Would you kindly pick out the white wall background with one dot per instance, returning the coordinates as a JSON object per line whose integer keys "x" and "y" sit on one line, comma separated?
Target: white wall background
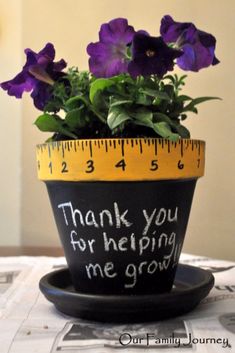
{"x": 71, "y": 25}
{"x": 10, "y": 124}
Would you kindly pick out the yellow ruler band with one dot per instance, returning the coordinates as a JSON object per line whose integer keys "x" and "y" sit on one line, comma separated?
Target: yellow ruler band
{"x": 120, "y": 159}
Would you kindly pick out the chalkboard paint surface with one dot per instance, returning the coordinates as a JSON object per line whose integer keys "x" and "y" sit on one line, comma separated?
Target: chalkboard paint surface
{"x": 191, "y": 285}
{"x": 122, "y": 237}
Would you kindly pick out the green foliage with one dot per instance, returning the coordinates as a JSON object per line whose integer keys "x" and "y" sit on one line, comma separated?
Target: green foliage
{"x": 53, "y": 123}
{"x": 118, "y": 107}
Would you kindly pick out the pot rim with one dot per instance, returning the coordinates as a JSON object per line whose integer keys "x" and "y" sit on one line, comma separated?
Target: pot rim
{"x": 121, "y": 159}
{"x": 119, "y": 138}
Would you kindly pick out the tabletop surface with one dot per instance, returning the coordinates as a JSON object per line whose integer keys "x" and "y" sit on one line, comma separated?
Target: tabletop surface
{"x": 30, "y": 251}
{"x": 29, "y": 323}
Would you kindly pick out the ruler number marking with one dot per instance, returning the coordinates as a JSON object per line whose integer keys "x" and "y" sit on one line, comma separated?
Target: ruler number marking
{"x": 50, "y": 167}
{"x": 180, "y": 165}
{"x": 154, "y": 165}
{"x": 121, "y": 164}
{"x": 90, "y": 166}
{"x": 64, "y": 168}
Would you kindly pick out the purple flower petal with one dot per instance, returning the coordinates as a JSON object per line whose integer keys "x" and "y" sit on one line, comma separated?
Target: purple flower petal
{"x": 20, "y": 83}
{"x": 198, "y": 47}
{"x": 108, "y": 57}
{"x": 151, "y": 56}
{"x": 38, "y": 67}
{"x": 41, "y": 95}
{"x": 59, "y": 65}
{"x": 48, "y": 51}
{"x": 105, "y": 63}
{"x": 171, "y": 30}
{"x": 116, "y": 31}
{"x": 194, "y": 58}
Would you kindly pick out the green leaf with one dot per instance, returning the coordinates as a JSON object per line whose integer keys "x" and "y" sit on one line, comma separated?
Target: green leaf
{"x": 180, "y": 80}
{"x": 169, "y": 77}
{"x": 170, "y": 91}
{"x": 161, "y": 117}
{"x": 203, "y": 99}
{"x": 99, "y": 84}
{"x": 191, "y": 105}
{"x": 76, "y": 118}
{"x": 100, "y": 102}
{"x": 53, "y": 106}
{"x": 183, "y": 98}
{"x": 116, "y": 116}
{"x": 145, "y": 122}
{"x": 143, "y": 117}
{"x": 182, "y": 131}
{"x": 143, "y": 114}
{"x": 76, "y": 102}
{"x": 142, "y": 99}
{"x": 52, "y": 123}
{"x": 154, "y": 93}
{"x": 120, "y": 102}
{"x": 164, "y": 130}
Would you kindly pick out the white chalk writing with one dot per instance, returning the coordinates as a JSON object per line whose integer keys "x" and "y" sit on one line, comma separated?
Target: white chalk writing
{"x": 153, "y": 239}
{"x": 163, "y": 215}
{"x": 89, "y": 218}
{"x": 94, "y": 270}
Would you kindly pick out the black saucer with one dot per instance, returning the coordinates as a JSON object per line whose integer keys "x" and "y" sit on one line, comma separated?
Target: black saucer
{"x": 191, "y": 285}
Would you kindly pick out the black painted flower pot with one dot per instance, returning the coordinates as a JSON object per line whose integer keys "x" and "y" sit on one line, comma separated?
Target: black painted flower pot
{"x": 121, "y": 217}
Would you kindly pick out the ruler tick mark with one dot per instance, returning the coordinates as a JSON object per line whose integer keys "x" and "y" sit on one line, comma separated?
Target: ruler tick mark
{"x": 168, "y": 146}
{"x": 141, "y": 147}
{"x": 181, "y": 148}
{"x": 122, "y": 148}
{"x": 106, "y": 146}
{"x": 155, "y": 147}
{"x": 90, "y": 148}
{"x": 49, "y": 151}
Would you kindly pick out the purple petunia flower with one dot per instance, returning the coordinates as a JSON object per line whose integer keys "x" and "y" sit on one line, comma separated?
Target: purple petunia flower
{"x": 151, "y": 56}
{"x": 198, "y": 47}
{"x": 108, "y": 57}
{"x": 37, "y": 75}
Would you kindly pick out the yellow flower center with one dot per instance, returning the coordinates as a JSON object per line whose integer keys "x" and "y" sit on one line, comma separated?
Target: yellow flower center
{"x": 150, "y": 53}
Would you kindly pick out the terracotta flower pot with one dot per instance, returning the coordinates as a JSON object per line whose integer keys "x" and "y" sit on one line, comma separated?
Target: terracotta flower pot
{"x": 121, "y": 209}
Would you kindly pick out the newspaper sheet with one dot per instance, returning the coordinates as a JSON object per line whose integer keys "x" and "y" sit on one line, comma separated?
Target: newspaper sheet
{"x": 31, "y": 324}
